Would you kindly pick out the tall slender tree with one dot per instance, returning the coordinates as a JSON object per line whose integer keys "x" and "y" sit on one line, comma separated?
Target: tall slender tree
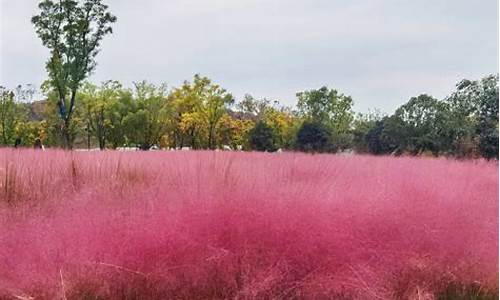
{"x": 73, "y": 31}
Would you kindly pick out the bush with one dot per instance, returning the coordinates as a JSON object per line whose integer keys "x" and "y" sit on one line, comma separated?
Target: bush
{"x": 314, "y": 137}
{"x": 377, "y": 142}
{"x": 263, "y": 138}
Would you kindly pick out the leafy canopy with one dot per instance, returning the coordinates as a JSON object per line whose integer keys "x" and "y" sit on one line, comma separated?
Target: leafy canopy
{"x": 73, "y": 31}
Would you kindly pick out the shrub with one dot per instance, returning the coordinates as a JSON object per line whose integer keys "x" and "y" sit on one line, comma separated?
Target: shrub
{"x": 263, "y": 138}
{"x": 313, "y": 137}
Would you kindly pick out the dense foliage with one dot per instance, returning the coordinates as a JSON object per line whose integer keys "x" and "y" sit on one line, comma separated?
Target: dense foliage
{"x": 262, "y": 137}
{"x": 313, "y": 136}
{"x": 72, "y": 31}
{"x": 202, "y": 115}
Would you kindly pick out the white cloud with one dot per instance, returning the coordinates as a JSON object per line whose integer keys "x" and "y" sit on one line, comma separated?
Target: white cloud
{"x": 381, "y": 52}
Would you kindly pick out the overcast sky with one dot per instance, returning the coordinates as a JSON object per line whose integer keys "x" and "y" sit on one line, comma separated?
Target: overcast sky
{"x": 379, "y": 52}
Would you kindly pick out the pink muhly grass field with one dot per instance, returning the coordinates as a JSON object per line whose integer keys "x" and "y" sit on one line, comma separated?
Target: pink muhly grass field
{"x": 226, "y": 225}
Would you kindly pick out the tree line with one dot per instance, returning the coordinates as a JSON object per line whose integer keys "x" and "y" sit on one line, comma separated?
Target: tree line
{"x": 201, "y": 114}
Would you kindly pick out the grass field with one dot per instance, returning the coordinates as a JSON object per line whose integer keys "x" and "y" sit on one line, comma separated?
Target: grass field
{"x": 227, "y": 225}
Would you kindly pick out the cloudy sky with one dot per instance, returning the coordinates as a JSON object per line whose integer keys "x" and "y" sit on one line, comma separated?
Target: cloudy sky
{"x": 379, "y": 52}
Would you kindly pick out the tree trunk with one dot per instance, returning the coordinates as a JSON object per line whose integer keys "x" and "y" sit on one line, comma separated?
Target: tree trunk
{"x": 193, "y": 139}
{"x": 210, "y": 138}
{"x": 102, "y": 143}
{"x": 68, "y": 141}
{"x": 88, "y": 136}
{"x": 181, "y": 142}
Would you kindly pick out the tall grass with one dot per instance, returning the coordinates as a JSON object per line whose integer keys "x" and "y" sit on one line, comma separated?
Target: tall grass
{"x": 208, "y": 225}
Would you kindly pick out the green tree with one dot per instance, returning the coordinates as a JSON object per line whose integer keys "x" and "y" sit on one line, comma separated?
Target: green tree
{"x": 362, "y": 125}
{"x": 186, "y": 103}
{"x": 215, "y": 102}
{"x": 424, "y": 121}
{"x": 262, "y": 137}
{"x": 330, "y": 108}
{"x": 314, "y": 137}
{"x": 472, "y": 108}
{"x": 199, "y": 107}
{"x": 146, "y": 123}
{"x": 117, "y": 112}
{"x": 487, "y": 127}
{"x": 12, "y": 114}
{"x": 377, "y": 142}
{"x": 284, "y": 123}
{"x": 98, "y": 103}
{"x": 56, "y": 132}
{"x": 73, "y": 31}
